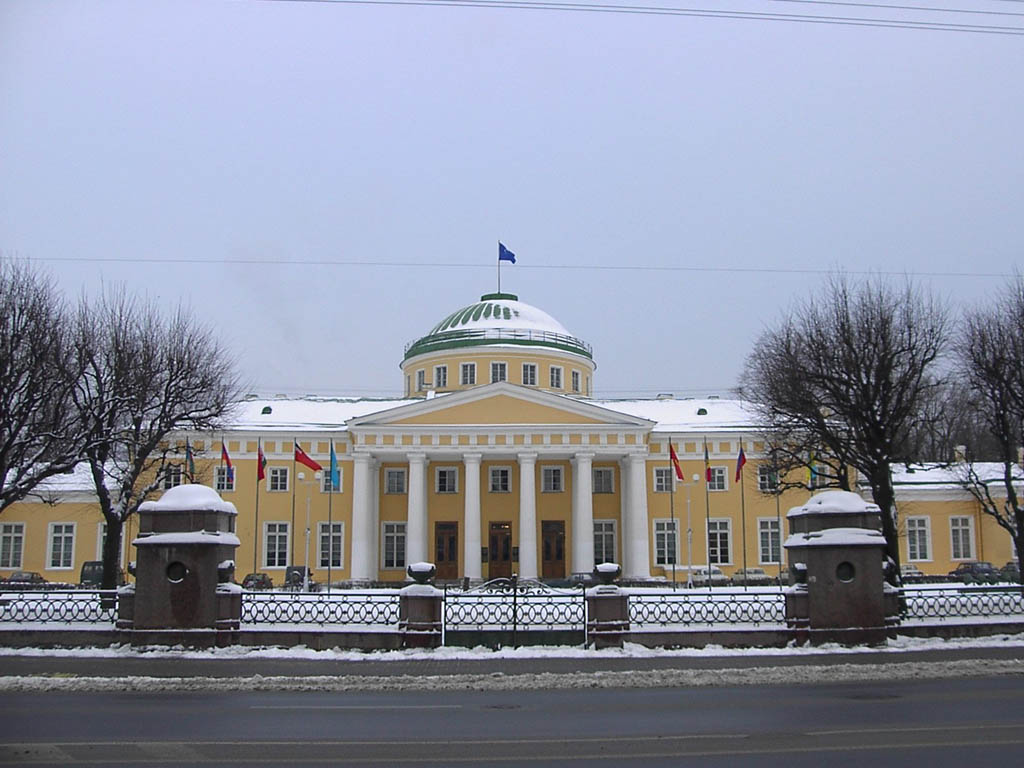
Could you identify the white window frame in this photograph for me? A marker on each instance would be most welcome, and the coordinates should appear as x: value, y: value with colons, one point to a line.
x: 323, y: 529
x: 274, y: 475
x: 325, y: 480
x: 605, y: 472
x: 174, y: 475
x: 969, y: 528
x: 663, y: 479
x: 287, y: 533
x: 467, y: 374
x: 550, y: 487
x: 499, y: 366
x: 719, y: 479
x: 492, y: 472
x: 556, y: 376
x: 575, y: 381
x: 394, y: 530
x: 771, y: 526
x: 529, y: 374
x: 607, y: 528
x: 9, y: 534
x: 65, y: 555
x: 767, y: 479
x: 716, y: 523
x: 396, y: 472
x: 421, y: 379
x: 440, y: 376
x: 666, y: 530
x: 224, y: 479
x: 454, y: 488
x: 101, y: 534
x: 916, y: 536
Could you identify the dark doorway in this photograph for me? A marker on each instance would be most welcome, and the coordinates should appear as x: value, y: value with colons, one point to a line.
x: 500, y: 553
x: 446, y: 550
x: 552, y: 533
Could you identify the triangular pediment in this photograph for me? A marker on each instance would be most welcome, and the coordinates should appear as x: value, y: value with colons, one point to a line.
x: 500, y: 403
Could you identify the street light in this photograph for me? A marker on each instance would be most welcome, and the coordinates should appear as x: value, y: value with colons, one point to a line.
x: 309, y: 493
x: 689, y: 534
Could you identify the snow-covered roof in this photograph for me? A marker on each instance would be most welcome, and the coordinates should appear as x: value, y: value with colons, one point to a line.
x: 219, y: 538
x: 948, y: 476
x: 837, y: 537
x: 834, y: 502
x: 696, y: 415
x: 186, y: 497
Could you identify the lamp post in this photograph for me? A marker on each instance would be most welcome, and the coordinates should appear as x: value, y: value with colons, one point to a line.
x: 309, y: 493
x: 689, y: 533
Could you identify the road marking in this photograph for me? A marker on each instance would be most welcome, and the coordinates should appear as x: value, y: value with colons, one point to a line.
x: 356, y: 706
x: 170, y: 751
x: 33, y: 753
x: 914, y: 729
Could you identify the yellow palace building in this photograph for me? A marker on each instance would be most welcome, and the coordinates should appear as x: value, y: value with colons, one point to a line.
x: 496, y: 461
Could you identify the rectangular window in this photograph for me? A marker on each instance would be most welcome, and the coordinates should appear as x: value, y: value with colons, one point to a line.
x: 960, y: 529
x: 663, y: 479
x: 446, y: 480
x: 666, y: 536
x: 62, y: 545
x: 393, y: 542
x: 277, y: 479
x: 551, y: 479
x: 530, y: 374
x: 818, y: 476
x: 332, y: 539
x: 440, y: 376
x: 556, y: 377
x: 325, y: 480
x: 275, y: 545
x: 394, y: 480
x: 12, y: 544
x: 717, y: 481
x: 172, y: 476
x: 499, y: 372
x: 575, y: 381
x: 767, y: 480
x: 769, y: 542
x: 467, y: 374
x: 421, y: 380
x: 224, y: 479
x: 918, y: 539
x: 604, y: 541
x: 500, y: 480
x: 718, y: 542
x: 604, y: 480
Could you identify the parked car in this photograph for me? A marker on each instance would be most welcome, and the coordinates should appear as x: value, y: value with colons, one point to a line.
x: 911, y: 574
x: 258, y: 581
x: 751, y: 577
x: 24, y: 580
x: 1010, y: 572
x: 91, y: 576
x: 295, y: 576
x: 703, y: 574
x: 979, y: 572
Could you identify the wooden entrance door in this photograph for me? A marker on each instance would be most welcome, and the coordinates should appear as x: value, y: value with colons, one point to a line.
x: 500, y: 551
x: 446, y: 550
x: 552, y: 533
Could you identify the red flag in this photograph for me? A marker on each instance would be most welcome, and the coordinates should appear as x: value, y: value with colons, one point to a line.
x: 302, y: 458
x: 224, y: 456
x: 261, y: 462
x: 740, y: 461
x: 675, y: 461
x: 707, y: 465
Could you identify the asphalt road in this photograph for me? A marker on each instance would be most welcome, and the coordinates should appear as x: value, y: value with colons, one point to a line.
x: 974, y: 721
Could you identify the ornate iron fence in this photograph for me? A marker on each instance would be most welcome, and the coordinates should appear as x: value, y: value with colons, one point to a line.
x: 677, y: 609
x: 962, y: 602
x: 514, y: 604
x: 68, y: 606
x: 340, y: 608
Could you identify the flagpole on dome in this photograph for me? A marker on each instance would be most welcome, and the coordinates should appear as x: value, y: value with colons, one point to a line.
x: 504, y: 254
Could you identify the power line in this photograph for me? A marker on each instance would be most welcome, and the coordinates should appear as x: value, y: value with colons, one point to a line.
x: 489, y: 267
x: 803, y: 18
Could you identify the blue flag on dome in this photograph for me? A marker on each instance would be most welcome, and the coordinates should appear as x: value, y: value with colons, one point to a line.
x: 504, y: 254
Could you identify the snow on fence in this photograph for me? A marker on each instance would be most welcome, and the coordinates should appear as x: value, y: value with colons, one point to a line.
x: 961, y: 602
x: 683, y: 609
x: 374, y: 609
x: 66, y: 606
x: 515, y: 604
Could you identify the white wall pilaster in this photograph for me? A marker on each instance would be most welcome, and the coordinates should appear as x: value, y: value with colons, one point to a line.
x: 528, y: 515
x: 471, y: 566
x: 582, y: 513
x: 416, y: 522
x: 363, y: 541
x: 636, y: 547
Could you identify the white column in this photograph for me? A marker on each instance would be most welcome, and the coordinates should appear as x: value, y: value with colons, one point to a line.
x: 363, y: 547
x: 416, y: 525
x: 582, y: 513
x: 637, y: 547
x: 527, y: 516
x: 471, y: 566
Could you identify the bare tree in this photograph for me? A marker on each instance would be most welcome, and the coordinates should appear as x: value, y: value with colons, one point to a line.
x: 39, y: 436
x: 144, y: 378
x: 848, y: 371
x: 990, y: 352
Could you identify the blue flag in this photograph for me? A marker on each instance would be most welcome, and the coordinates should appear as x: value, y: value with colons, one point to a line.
x: 335, y: 479
x: 504, y: 254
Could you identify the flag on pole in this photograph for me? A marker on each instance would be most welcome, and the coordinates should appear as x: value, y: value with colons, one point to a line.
x: 335, y: 478
x: 675, y: 461
x: 707, y: 462
x: 740, y: 461
x: 261, y: 462
x: 504, y: 254
x: 190, y: 464
x: 224, y: 457
x: 303, y: 458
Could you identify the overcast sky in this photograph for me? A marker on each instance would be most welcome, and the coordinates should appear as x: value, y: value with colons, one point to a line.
x: 325, y: 181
